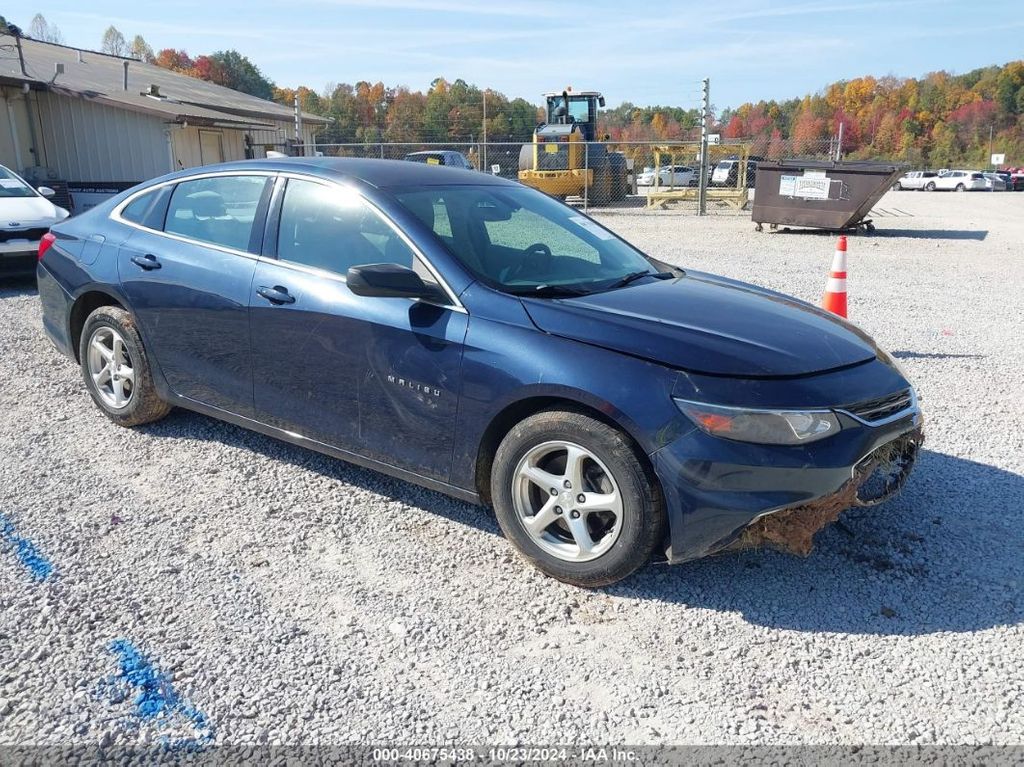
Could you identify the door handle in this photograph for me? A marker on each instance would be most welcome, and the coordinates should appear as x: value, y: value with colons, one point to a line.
x: 276, y: 295
x: 147, y: 262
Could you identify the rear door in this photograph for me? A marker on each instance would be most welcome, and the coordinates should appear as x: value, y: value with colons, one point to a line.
x: 188, y: 279
x: 375, y: 376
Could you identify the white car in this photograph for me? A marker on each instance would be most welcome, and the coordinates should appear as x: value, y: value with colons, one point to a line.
x: 914, y: 180
x: 25, y: 216
x: 675, y: 175
x: 957, y: 180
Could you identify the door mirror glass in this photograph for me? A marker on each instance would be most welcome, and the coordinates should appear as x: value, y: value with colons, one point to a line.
x: 46, y: 191
x: 391, y: 281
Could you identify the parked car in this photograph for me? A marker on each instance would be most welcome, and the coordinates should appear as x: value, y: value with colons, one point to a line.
x: 1017, y: 181
x: 726, y: 172
x: 672, y: 175
x: 916, y: 180
x: 957, y: 180
x: 441, y: 157
x: 997, y: 182
x: 457, y: 330
x: 25, y: 216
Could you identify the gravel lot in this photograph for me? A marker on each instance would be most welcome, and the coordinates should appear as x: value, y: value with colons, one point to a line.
x: 210, y: 585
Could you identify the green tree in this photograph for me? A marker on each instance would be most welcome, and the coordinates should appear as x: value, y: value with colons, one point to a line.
x: 233, y: 70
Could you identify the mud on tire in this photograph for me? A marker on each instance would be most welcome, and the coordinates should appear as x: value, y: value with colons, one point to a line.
x: 142, y: 403
x: 642, y: 525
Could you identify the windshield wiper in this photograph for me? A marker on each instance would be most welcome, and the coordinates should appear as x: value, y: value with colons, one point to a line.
x: 551, y: 291
x: 634, y: 276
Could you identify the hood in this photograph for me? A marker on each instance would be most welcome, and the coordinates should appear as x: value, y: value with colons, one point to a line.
x: 29, y: 211
x: 706, y: 324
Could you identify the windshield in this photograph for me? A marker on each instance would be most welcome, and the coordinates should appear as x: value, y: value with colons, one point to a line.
x: 523, y: 242
x: 12, y: 186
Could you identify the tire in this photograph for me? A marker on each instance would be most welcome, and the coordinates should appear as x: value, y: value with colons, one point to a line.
x: 113, y: 329
x: 619, y: 173
x: 526, y: 157
x: 897, y: 187
x: 600, y: 192
x: 960, y: 187
x: 930, y: 186
x: 621, y: 541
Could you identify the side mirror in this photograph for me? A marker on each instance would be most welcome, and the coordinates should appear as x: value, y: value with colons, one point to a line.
x: 46, y: 191
x: 391, y: 281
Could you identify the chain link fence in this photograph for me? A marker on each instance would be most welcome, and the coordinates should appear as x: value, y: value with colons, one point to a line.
x: 648, y: 175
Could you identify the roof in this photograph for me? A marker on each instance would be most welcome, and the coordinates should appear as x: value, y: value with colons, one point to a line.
x: 384, y: 174
x: 100, y: 77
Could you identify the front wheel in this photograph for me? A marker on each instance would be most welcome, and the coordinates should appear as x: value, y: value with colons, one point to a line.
x: 897, y: 187
x: 573, y: 495
x: 116, y: 369
x: 960, y: 187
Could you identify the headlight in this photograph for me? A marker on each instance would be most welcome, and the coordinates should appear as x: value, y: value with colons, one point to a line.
x: 767, y: 427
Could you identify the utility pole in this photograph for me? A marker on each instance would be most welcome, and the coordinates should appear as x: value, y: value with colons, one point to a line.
x: 839, y: 143
x: 483, y: 148
x: 705, y: 115
x: 992, y: 164
x: 300, y: 144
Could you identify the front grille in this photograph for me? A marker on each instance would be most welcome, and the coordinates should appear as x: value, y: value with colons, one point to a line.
x: 32, y: 235
x: 879, y: 409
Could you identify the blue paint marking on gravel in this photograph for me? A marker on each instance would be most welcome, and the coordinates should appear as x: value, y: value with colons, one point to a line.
x: 156, y: 698
x: 25, y: 551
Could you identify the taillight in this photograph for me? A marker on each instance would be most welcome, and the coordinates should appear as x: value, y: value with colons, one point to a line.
x: 45, y: 243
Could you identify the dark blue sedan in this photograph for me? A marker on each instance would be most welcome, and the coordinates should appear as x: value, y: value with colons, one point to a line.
x: 482, y: 339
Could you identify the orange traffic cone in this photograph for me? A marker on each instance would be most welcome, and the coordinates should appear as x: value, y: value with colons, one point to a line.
x: 834, y: 299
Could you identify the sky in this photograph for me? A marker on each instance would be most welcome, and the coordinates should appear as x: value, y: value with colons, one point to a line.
x: 643, y: 52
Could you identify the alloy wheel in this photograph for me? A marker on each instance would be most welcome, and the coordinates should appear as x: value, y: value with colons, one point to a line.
x: 567, y: 501
x: 110, y: 367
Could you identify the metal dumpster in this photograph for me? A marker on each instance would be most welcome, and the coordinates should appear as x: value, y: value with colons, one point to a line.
x: 820, y: 194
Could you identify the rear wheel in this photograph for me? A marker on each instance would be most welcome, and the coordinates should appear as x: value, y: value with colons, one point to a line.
x: 930, y: 186
x: 897, y: 187
x: 960, y: 188
x: 116, y: 369
x: 572, y: 494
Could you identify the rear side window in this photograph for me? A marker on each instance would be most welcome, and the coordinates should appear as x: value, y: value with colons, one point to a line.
x: 148, y: 209
x: 219, y: 210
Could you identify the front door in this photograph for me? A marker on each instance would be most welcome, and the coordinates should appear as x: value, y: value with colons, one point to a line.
x: 189, y: 288
x: 211, y: 147
x: 375, y: 376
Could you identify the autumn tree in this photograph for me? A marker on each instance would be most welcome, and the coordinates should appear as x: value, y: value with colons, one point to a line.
x: 141, y: 50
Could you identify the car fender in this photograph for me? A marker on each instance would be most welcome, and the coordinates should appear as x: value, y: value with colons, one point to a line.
x: 505, y: 366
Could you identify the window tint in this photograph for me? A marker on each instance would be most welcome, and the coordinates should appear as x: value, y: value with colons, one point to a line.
x: 218, y: 210
x: 148, y: 209
x: 136, y: 210
x: 334, y: 229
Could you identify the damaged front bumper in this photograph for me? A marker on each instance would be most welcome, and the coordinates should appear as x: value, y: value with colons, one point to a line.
x: 724, y: 495
x: 877, y: 478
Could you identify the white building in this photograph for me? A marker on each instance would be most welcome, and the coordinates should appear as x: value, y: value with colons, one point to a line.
x: 99, y: 123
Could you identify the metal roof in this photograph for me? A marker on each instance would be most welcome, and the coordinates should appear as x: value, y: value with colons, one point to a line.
x: 100, y: 77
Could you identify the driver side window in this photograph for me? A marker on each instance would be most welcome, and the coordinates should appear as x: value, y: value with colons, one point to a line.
x: 331, y: 228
